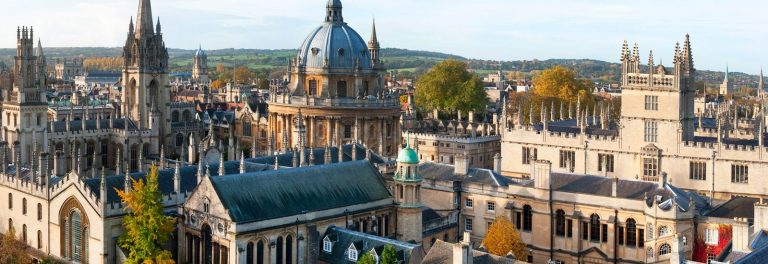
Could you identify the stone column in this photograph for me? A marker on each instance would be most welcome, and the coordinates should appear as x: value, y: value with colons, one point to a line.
x: 327, y: 131
x: 339, y: 133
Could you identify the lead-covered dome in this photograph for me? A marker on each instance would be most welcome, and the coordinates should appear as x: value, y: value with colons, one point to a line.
x: 334, y: 44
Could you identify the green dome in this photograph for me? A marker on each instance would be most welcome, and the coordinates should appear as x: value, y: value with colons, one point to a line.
x: 407, y: 155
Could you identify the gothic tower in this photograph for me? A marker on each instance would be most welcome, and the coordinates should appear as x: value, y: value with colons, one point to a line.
x: 25, y: 106
x: 200, y: 67
x: 408, y: 195
x: 145, y: 74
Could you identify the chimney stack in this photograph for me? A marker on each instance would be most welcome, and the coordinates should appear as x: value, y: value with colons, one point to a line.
x: 462, y: 251
x: 497, y: 163
x: 542, y: 171
x: 461, y: 164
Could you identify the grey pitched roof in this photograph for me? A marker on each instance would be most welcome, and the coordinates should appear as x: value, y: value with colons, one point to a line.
x: 735, y: 207
x: 279, y: 193
x: 442, y: 252
x: 165, y: 182
x: 342, y: 238
x: 758, y: 256
x: 445, y: 172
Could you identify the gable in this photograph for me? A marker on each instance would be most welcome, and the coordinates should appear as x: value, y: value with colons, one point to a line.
x: 205, y: 196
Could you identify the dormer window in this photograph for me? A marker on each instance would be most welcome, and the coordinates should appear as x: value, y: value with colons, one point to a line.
x: 327, y: 244
x: 314, y: 51
x: 352, y: 253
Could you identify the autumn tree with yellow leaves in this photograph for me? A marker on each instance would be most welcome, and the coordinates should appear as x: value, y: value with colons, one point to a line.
x: 503, y: 237
x: 146, y: 227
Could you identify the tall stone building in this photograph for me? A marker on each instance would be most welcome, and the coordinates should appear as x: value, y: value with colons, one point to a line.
x: 657, y: 132
x: 200, y: 67
x: 24, y: 105
x: 146, y: 92
x: 336, y: 82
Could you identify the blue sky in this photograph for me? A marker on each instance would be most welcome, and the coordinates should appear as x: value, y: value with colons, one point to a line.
x: 722, y: 32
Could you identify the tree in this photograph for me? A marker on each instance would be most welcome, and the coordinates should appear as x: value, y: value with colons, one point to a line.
x: 146, y: 227
x: 449, y: 86
x: 367, y: 258
x: 503, y: 237
x: 13, y: 251
x: 388, y: 255
x: 559, y: 85
x: 218, y: 84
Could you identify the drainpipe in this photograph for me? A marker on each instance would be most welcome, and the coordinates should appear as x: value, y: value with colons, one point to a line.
x: 551, y: 225
x: 457, y: 190
x: 616, y: 236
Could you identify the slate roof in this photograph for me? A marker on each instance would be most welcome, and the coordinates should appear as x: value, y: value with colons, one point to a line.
x: 165, y: 182
x: 758, y: 256
x: 736, y: 207
x: 273, y: 194
x: 342, y: 238
x: 445, y: 172
x: 442, y: 252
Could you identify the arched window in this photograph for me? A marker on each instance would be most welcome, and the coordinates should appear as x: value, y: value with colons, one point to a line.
x: 24, y: 206
x: 179, y: 140
x: 186, y: 116
x: 249, y: 253
x: 594, y: 228
x: 10, y: 201
x: 665, y: 249
x: 175, y: 116
x: 247, y: 127
x: 312, y: 87
x: 279, y: 248
x: 39, y: 211
x: 663, y: 231
x: 527, y: 218
x: 24, y: 233
x: 560, y: 223
x: 76, y: 234
x: 39, y: 239
x: 341, y: 88
x: 260, y: 252
x: 632, y: 233
x: 10, y: 224
x: 288, y: 249
x: 649, y: 252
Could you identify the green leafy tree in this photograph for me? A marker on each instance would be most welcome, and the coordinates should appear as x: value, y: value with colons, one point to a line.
x: 503, y: 237
x: 367, y: 258
x: 388, y: 255
x: 146, y: 227
x: 450, y: 86
x: 559, y: 84
x: 13, y: 251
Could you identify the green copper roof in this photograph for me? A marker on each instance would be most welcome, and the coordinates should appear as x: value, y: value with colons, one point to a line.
x: 407, y: 155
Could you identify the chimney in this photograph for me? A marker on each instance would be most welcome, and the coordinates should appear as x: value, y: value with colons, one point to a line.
x: 614, y: 186
x: 435, y: 114
x: 461, y: 164
x: 761, y: 215
x: 542, y: 171
x: 741, y: 235
x: 471, y: 117
x: 462, y: 251
x: 497, y: 163
x: 662, y: 180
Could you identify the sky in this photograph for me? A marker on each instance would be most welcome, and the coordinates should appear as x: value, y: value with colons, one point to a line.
x: 722, y: 33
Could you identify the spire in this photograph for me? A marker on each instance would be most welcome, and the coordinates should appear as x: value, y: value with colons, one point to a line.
x: 374, y: 43
x: 221, y: 165
x: 760, y: 84
x: 242, y: 161
x: 158, y: 26
x: 333, y: 12
x: 39, y: 51
x: 144, y: 18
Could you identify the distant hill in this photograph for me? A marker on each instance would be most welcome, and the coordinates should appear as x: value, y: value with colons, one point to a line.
x: 408, y: 63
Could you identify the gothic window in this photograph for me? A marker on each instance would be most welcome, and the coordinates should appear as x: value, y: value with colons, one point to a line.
x: 527, y: 218
x: 76, y: 235
x: 560, y: 223
x: 24, y: 206
x: 605, y: 162
x: 631, y: 232
x: 594, y: 228
x: 665, y: 249
x: 24, y: 233
x: 175, y: 116
x: 186, y: 116
x: 260, y: 252
x: 663, y: 231
x: 39, y: 239
x: 10, y: 201
x: 10, y: 224
x: 247, y: 127
x: 279, y: 247
x: 341, y: 88
x: 249, y: 253
x: 288, y: 249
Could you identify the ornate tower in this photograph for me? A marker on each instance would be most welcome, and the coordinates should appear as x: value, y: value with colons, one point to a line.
x: 726, y: 87
x: 200, y: 67
x: 25, y: 106
x: 373, y: 47
x: 145, y: 73
x: 408, y: 195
